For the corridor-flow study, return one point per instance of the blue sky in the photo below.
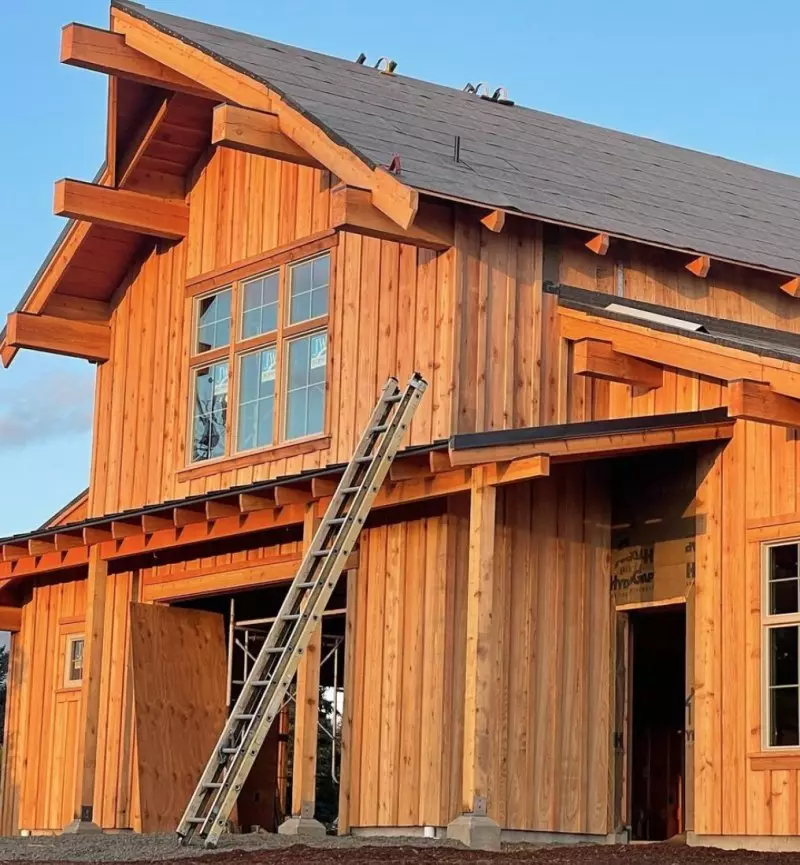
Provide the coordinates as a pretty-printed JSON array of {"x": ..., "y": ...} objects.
[{"x": 715, "y": 76}]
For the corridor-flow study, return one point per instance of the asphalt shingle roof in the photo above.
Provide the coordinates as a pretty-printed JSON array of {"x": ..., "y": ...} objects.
[{"x": 523, "y": 160}]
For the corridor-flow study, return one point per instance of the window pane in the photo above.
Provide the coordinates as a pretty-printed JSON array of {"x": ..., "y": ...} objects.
[
  {"x": 305, "y": 403},
  {"x": 784, "y": 714},
  {"x": 309, "y": 283},
  {"x": 256, "y": 399},
  {"x": 213, "y": 321},
  {"x": 783, "y": 576},
  {"x": 75, "y": 667},
  {"x": 210, "y": 409},
  {"x": 260, "y": 305},
  {"x": 783, "y": 655}
]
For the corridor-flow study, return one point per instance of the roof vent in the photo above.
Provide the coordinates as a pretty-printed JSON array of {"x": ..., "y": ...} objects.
[
  {"x": 655, "y": 317},
  {"x": 361, "y": 59},
  {"x": 388, "y": 66},
  {"x": 482, "y": 89}
]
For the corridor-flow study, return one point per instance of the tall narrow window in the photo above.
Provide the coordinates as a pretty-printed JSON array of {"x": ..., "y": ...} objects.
[
  {"x": 261, "y": 342},
  {"x": 73, "y": 672},
  {"x": 782, "y": 645}
]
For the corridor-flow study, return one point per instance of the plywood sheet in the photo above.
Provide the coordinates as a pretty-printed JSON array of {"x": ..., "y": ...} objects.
[{"x": 178, "y": 666}]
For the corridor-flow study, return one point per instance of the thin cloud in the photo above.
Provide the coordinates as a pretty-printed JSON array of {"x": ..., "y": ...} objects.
[{"x": 54, "y": 406}]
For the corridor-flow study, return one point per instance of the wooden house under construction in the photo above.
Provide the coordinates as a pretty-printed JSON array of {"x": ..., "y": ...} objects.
[{"x": 574, "y": 610}]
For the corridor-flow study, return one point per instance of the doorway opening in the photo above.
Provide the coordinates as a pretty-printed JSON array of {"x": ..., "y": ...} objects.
[{"x": 657, "y": 752}]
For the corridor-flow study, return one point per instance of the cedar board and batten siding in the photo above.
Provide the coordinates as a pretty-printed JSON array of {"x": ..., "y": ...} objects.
[
  {"x": 391, "y": 310},
  {"x": 551, "y": 571}
]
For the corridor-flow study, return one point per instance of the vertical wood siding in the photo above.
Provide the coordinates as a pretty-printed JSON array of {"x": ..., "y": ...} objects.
[{"x": 393, "y": 308}]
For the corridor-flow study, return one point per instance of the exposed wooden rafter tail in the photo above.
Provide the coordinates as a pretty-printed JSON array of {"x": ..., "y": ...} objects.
[
  {"x": 699, "y": 266},
  {"x": 756, "y": 400},
  {"x": 597, "y": 359},
  {"x": 494, "y": 220},
  {"x": 599, "y": 244},
  {"x": 792, "y": 286},
  {"x": 74, "y": 338}
]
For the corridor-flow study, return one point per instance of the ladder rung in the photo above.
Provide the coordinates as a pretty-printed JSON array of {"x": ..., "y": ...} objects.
[
  {"x": 260, "y": 683},
  {"x": 291, "y": 617},
  {"x": 337, "y": 521},
  {"x": 349, "y": 490},
  {"x": 320, "y": 553},
  {"x": 304, "y": 586},
  {"x": 244, "y": 717},
  {"x": 197, "y": 820},
  {"x": 279, "y": 650},
  {"x": 363, "y": 460},
  {"x": 212, "y": 785},
  {"x": 229, "y": 750},
  {"x": 381, "y": 427},
  {"x": 394, "y": 398}
]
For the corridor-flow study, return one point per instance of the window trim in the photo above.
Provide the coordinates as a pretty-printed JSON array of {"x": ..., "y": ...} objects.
[
  {"x": 235, "y": 276},
  {"x": 69, "y": 641},
  {"x": 769, "y": 622}
]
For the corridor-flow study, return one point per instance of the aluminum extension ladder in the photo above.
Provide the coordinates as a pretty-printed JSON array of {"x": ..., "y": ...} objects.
[{"x": 264, "y": 691}]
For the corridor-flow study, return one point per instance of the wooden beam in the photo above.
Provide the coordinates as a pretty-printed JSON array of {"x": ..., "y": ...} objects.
[
  {"x": 41, "y": 546},
  {"x": 755, "y": 400},
  {"x": 306, "y": 718},
  {"x": 249, "y": 502},
  {"x": 792, "y": 286},
  {"x": 323, "y": 487},
  {"x": 415, "y": 466},
  {"x": 68, "y": 540},
  {"x": 525, "y": 469},
  {"x": 142, "y": 138},
  {"x": 96, "y": 591},
  {"x": 103, "y": 51},
  {"x": 14, "y": 551},
  {"x": 699, "y": 266},
  {"x": 597, "y": 359},
  {"x": 479, "y": 671},
  {"x": 494, "y": 220},
  {"x": 10, "y": 619},
  {"x": 86, "y": 339},
  {"x": 353, "y": 210},
  {"x": 187, "y": 516},
  {"x": 126, "y": 528},
  {"x": 599, "y": 244},
  {"x": 167, "y": 218},
  {"x": 218, "y": 508},
  {"x": 97, "y": 535},
  {"x": 389, "y": 194},
  {"x": 292, "y": 494},
  {"x": 256, "y": 132},
  {"x": 156, "y": 522}
]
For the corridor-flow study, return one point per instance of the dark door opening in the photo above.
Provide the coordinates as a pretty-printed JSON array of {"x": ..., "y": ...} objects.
[{"x": 658, "y": 638}]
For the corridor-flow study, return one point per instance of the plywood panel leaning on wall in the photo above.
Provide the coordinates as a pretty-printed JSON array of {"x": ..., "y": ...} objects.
[{"x": 179, "y": 674}]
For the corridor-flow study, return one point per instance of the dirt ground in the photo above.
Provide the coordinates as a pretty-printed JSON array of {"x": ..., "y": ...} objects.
[{"x": 274, "y": 850}]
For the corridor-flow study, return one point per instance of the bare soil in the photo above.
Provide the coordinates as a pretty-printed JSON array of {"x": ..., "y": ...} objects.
[{"x": 275, "y": 850}]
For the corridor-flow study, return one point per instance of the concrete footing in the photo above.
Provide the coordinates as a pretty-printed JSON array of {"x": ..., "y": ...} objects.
[
  {"x": 476, "y": 832},
  {"x": 304, "y": 827},
  {"x": 81, "y": 827}
]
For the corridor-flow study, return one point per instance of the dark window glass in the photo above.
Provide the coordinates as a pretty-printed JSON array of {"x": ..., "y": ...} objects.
[
  {"x": 213, "y": 321},
  {"x": 256, "y": 399},
  {"x": 784, "y": 587},
  {"x": 783, "y": 656},
  {"x": 260, "y": 305},
  {"x": 784, "y": 708},
  {"x": 783, "y": 685},
  {"x": 210, "y": 411},
  {"x": 308, "y": 289},
  {"x": 305, "y": 396}
]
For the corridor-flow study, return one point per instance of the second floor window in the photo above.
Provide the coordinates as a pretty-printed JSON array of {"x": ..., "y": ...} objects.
[{"x": 260, "y": 360}]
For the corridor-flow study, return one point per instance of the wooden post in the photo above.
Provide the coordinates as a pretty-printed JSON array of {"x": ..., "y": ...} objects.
[
  {"x": 474, "y": 828},
  {"x": 96, "y": 588},
  {"x": 306, "y": 723}
]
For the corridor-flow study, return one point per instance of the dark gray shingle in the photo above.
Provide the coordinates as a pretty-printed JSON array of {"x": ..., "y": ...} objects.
[{"x": 524, "y": 160}]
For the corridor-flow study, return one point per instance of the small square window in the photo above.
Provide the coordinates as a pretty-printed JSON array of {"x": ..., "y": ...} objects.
[
  {"x": 260, "y": 305},
  {"x": 210, "y": 411},
  {"x": 305, "y": 395},
  {"x": 73, "y": 674},
  {"x": 213, "y": 321},
  {"x": 308, "y": 283},
  {"x": 784, "y": 580}
]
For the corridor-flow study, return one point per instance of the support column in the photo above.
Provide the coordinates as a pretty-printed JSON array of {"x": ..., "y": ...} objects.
[
  {"x": 306, "y": 724},
  {"x": 96, "y": 588},
  {"x": 474, "y": 827}
]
